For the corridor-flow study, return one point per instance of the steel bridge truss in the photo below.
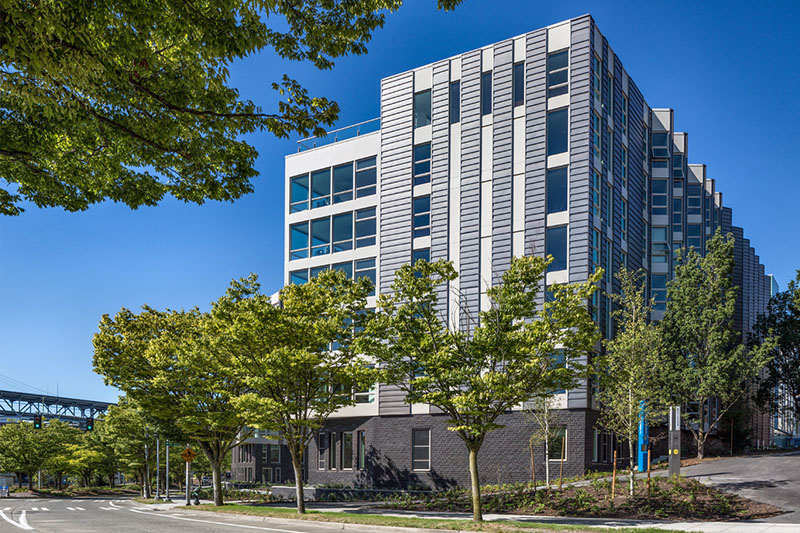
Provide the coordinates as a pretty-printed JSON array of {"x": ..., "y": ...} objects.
[{"x": 25, "y": 405}]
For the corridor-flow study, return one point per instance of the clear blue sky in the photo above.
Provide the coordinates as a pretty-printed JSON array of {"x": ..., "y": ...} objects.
[{"x": 729, "y": 69}]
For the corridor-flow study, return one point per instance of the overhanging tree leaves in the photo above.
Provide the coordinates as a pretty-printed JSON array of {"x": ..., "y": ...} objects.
[
  {"x": 474, "y": 376},
  {"x": 706, "y": 360},
  {"x": 130, "y": 101},
  {"x": 283, "y": 353}
]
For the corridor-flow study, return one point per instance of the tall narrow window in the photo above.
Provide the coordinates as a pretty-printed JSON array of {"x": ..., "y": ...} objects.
[
  {"x": 362, "y": 450},
  {"x": 660, "y": 145},
  {"x": 421, "y": 449},
  {"x": 366, "y": 173},
  {"x": 299, "y": 193},
  {"x": 677, "y": 165},
  {"x": 320, "y": 236},
  {"x": 557, "y": 443},
  {"x": 422, "y": 163},
  {"x": 347, "y": 451},
  {"x": 556, "y": 246},
  {"x": 298, "y": 241},
  {"x": 659, "y": 197},
  {"x": 422, "y": 216},
  {"x": 486, "y": 93},
  {"x": 596, "y": 192},
  {"x": 343, "y": 232},
  {"x": 557, "y": 73},
  {"x": 557, "y": 190},
  {"x": 557, "y": 131},
  {"x": 596, "y": 77},
  {"x": 343, "y": 183},
  {"x": 321, "y": 188},
  {"x": 596, "y": 135},
  {"x": 595, "y": 248},
  {"x": 366, "y": 224},
  {"x": 658, "y": 283},
  {"x": 422, "y": 108},
  {"x": 660, "y": 245},
  {"x": 623, "y": 222},
  {"x": 624, "y": 171},
  {"x": 365, "y": 268},
  {"x": 321, "y": 447},
  {"x": 455, "y": 102},
  {"x": 332, "y": 451},
  {"x": 518, "y": 83},
  {"x": 677, "y": 215},
  {"x": 609, "y": 204},
  {"x": 624, "y": 113}
]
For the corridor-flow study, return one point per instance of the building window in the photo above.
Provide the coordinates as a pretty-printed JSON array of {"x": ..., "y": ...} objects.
[
  {"x": 455, "y": 102},
  {"x": 366, "y": 173},
  {"x": 596, "y": 192},
  {"x": 420, "y": 253},
  {"x": 557, "y": 130},
  {"x": 316, "y": 271},
  {"x": 677, "y": 215},
  {"x": 486, "y": 93},
  {"x": 422, "y": 163},
  {"x": 556, "y": 246},
  {"x": 624, "y": 113},
  {"x": 321, "y": 448},
  {"x": 266, "y": 475},
  {"x": 365, "y": 396},
  {"x": 677, "y": 165},
  {"x": 274, "y": 453},
  {"x": 298, "y": 277},
  {"x": 659, "y": 197},
  {"x": 518, "y": 83},
  {"x": 343, "y": 232},
  {"x": 332, "y": 451},
  {"x": 366, "y": 226},
  {"x": 660, "y": 246},
  {"x": 556, "y": 444},
  {"x": 422, "y": 216},
  {"x": 595, "y": 249},
  {"x": 347, "y": 451},
  {"x": 694, "y": 203},
  {"x": 343, "y": 183},
  {"x": 421, "y": 449},
  {"x": 596, "y": 79},
  {"x": 321, "y": 188},
  {"x": 596, "y": 135},
  {"x": 694, "y": 236},
  {"x": 298, "y": 195},
  {"x": 609, "y": 204},
  {"x": 660, "y": 146},
  {"x": 658, "y": 283},
  {"x": 557, "y": 190},
  {"x": 623, "y": 221},
  {"x": 298, "y": 241},
  {"x": 346, "y": 267},
  {"x": 365, "y": 268},
  {"x": 362, "y": 449},
  {"x": 320, "y": 236},
  {"x": 557, "y": 73},
  {"x": 422, "y": 109},
  {"x": 624, "y": 171},
  {"x": 608, "y": 259}
]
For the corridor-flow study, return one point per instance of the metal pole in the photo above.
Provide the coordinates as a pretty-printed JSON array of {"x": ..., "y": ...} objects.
[
  {"x": 39, "y": 477},
  {"x": 188, "y": 490},
  {"x": 146, "y": 483},
  {"x": 158, "y": 469},
  {"x": 166, "y": 487}
]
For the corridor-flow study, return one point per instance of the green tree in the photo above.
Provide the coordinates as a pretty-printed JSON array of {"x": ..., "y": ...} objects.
[
  {"x": 126, "y": 431},
  {"x": 298, "y": 359},
  {"x": 60, "y": 436},
  {"x": 706, "y": 360},
  {"x": 782, "y": 322},
  {"x": 130, "y": 101},
  {"x": 170, "y": 364},
  {"x": 626, "y": 372},
  {"x": 476, "y": 374},
  {"x": 23, "y": 450},
  {"x": 543, "y": 411}
]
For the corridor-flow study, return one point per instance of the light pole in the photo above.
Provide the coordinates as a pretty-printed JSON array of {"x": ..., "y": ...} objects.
[
  {"x": 158, "y": 470},
  {"x": 166, "y": 488}
]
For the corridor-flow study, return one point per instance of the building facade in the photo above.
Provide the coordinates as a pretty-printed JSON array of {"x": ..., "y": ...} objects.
[{"x": 539, "y": 144}]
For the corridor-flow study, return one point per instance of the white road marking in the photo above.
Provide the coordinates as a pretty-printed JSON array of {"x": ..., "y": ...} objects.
[
  {"x": 70, "y": 508},
  {"x": 109, "y": 508},
  {"x": 34, "y": 508},
  {"x": 22, "y": 524},
  {"x": 112, "y": 505},
  {"x": 215, "y": 523},
  {"x": 80, "y": 508},
  {"x": 45, "y": 509}
]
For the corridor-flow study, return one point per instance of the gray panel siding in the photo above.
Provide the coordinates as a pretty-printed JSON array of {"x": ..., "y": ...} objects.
[
  {"x": 470, "y": 186},
  {"x": 392, "y": 401},
  {"x": 440, "y": 170},
  {"x": 502, "y": 111}
]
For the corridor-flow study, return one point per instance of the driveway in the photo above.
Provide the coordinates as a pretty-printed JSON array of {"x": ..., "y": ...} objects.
[{"x": 772, "y": 478}]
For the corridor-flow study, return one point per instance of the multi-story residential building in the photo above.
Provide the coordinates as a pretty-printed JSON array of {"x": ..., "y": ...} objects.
[{"x": 539, "y": 144}]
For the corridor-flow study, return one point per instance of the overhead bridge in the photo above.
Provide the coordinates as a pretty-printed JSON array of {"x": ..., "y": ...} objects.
[{"x": 25, "y": 405}]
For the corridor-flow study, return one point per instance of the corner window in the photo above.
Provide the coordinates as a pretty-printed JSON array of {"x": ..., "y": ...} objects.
[
  {"x": 455, "y": 102},
  {"x": 343, "y": 232},
  {"x": 420, "y": 449},
  {"x": 486, "y": 93},
  {"x": 422, "y": 216},
  {"x": 298, "y": 194},
  {"x": 556, "y": 246},
  {"x": 343, "y": 183},
  {"x": 298, "y": 241},
  {"x": 518, "y": 84},
  {"x": 366, "y": 172},
  {"x": 557, "y": 131},
  {"x": 422, "y": 163},
  {"x": 557, "y": 190},
  {"x": 321, "y": 188},
  {"x": 366, "y": 226},
  {"x": 557, "y": 73},
  {"x": 422, "y": 109}
]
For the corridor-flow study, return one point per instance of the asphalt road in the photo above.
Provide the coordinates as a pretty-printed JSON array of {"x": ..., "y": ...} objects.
[
  {"x": 98, "y": 515},
  {"x": 772, "y": 478}
]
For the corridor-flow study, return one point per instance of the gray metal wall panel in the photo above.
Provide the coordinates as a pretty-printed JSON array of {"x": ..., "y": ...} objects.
[
  {"x": 470, "y": 187},
  {"x": 440, "y": 170},
  {"x": 392, "y": 401},
  {"x": 502, "y": 154}
]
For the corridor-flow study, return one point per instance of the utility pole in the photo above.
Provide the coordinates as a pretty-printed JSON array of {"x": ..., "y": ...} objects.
[
  {"x": 146, "y": 484},
  {"x": 166, "y": 487},
  {"x": 158, "y": 470}
]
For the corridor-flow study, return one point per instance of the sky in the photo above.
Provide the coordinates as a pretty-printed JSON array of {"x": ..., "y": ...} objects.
[{"x": 729, "y": 69}]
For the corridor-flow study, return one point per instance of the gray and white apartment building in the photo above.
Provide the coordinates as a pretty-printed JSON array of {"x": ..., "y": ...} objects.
[{"x": 539, "y": 144}]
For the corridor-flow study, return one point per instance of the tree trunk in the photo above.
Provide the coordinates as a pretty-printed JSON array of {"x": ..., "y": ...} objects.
[
  {"x": 298, "y": 483},
  {"x": 30, "y": 481},
  {"x": 632, "y": 465},
  {"x": 477, "y": 515},
  {"x": 216, "y": 474},
  {"x": 701, "y": 444}
]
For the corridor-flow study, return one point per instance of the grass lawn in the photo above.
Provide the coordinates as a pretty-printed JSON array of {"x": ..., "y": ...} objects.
[{"x": 402, "y": 521}]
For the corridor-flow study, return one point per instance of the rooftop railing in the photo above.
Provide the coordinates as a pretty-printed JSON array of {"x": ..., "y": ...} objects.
[{"x": 341, "y": 134}]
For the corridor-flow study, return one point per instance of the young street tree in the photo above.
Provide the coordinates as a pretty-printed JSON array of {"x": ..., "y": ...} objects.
[
  {"x": 23, "y": 450},
  {"x": 782, "y": 322},
  {"x": 130, "y": 101},
  {"x": 706, "y": 359},
  {"x": 299, "y": 359},
  {"x": 165, "y": 361},
  {"x": 543, "y": 411},
  {"x": 626, "y": 373},
  {"x": 474, "y": 376},
  {"x": 125, "y": 430}
]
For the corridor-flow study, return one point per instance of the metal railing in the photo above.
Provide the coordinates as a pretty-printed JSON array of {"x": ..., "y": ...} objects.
[{"x": 341, "y": 134}]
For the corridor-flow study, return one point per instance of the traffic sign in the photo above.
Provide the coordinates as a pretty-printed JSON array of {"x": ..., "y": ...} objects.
[{"x": 188, "y": 455}]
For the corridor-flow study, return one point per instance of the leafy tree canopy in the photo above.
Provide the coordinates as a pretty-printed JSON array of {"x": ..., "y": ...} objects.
[{"x": 130, "y": 101}]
